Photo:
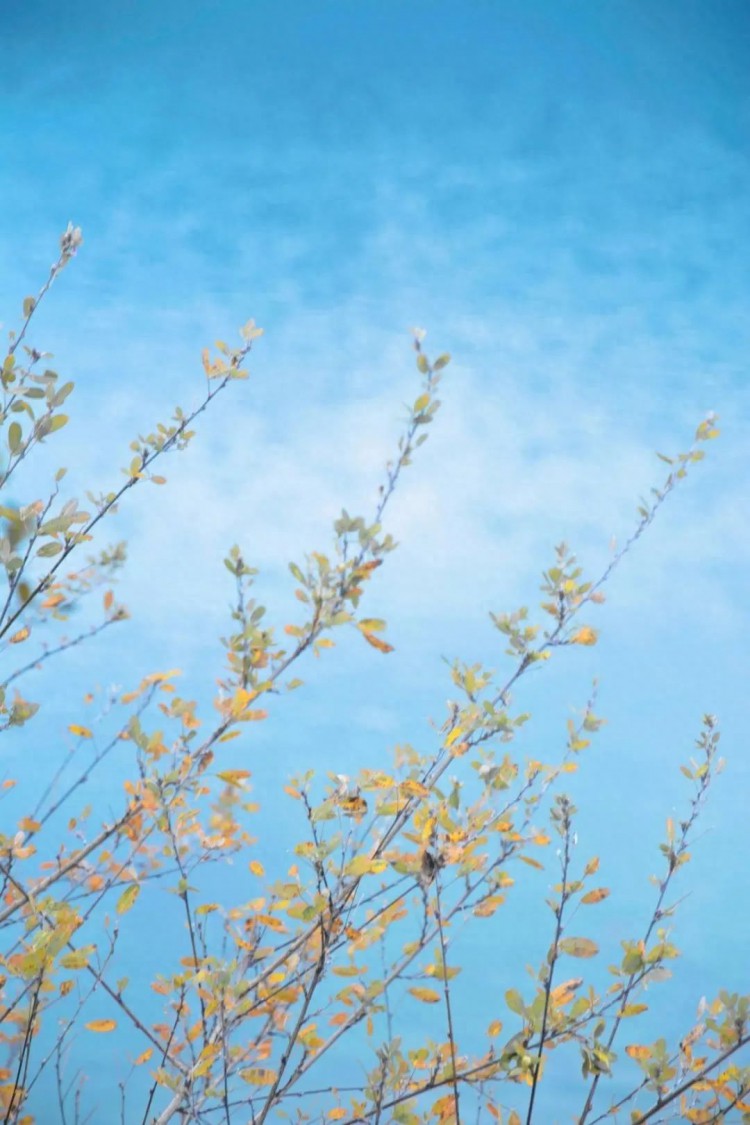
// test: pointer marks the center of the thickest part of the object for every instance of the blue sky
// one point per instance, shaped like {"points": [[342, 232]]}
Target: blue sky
{"points": [[559, 193]]}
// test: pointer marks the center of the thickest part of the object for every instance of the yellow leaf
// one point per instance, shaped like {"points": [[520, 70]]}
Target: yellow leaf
{"points": [[632, 1010], [495, 1028], [158, 677], [101, 1025], [243, 699], [337, 1113], [364, 865], [144, 1056], [585, 636], [256, 867], [426, 995], [258, 1076], [206, 1060], [233, 777], [253, 716], [127, 898], [487, 907], [78, 959], [412, 788], [454, 735], [355, 806], [80, 732], [371, 624], [21, 635]]}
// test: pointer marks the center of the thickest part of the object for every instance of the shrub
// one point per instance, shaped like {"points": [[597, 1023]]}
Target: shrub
{"points": [[261, 996]]}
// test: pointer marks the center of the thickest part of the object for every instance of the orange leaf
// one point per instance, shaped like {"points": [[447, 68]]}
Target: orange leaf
{"points": [[585, 636], [80, 732], [381, 646], [109, 598], [564, 993], [596, 895], [637, 1052], [101, 1025], [21, 635], [144, 1056]]}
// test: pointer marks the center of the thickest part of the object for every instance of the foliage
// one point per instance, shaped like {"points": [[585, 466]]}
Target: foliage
{"points": [[264, 994]]}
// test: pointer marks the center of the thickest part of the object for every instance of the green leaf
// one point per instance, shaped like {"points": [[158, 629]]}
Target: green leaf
{"points": [[62, 394], [49, 549], [371, 624], [79, 959], [514, 1000], [55, 525], [441, 361], [57, 422], [14, 437], [29, 304], [578, 947], [127, 898]]}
